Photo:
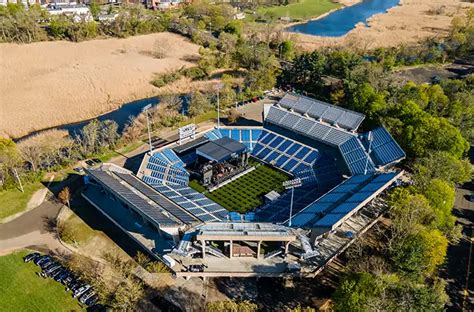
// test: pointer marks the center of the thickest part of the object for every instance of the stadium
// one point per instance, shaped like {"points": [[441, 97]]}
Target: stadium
{"points": [[283, 198]]}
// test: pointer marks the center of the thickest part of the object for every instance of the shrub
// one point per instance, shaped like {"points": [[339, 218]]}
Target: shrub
{"points": [[163, 79]]}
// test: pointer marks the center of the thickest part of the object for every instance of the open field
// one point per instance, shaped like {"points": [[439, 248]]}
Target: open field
{"points": [[13, 201], [408, 23], [247, 192], [301, 10], [22, 290], [54, 83]]}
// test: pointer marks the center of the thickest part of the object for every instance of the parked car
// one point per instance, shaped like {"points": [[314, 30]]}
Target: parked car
{"points": [[86, 295], [74, 285], [50, 270], [92, 300], [41, 259], [61, 277], [55, 275], [79, 169], [31, 257], [46, 264], [68, 279], [81, 290], [90, 163], [97, 160]]}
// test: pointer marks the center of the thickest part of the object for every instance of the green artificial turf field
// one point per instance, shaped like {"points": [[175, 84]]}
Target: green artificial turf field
{"points": [[22, 290], [303, 9], [247, 192]]}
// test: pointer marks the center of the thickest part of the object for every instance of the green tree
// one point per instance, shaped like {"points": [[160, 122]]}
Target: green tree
{"points": [[228, 305], [441, 165], [199, 104], [355, 292]]}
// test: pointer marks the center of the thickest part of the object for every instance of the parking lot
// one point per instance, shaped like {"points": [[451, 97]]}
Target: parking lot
{"points": [[53, 269]]}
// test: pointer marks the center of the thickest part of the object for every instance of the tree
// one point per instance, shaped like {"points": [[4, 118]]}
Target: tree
{"points": [[420, 253], [228, 305], [408, 211], [355, 292], [443, 166], [9, 159], [65, 196], [233, 115], [287, 50], [199, 104]]}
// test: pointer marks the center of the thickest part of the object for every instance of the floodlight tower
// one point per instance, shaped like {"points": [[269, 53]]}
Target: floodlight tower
{"points": [[370, 138], [145, 110], [218, 87], [291, 184]]}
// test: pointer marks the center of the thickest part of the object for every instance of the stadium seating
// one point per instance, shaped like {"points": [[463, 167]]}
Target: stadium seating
{"points": [[279, 210], [246, 136], [326, 112], [342, 200], [191, 200], [310, 128], [356, 157], [384, 149], [166, 166], [286, 154]]}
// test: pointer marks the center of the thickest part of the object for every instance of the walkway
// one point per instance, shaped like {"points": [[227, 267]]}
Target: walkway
{"points": [[31, 230]]}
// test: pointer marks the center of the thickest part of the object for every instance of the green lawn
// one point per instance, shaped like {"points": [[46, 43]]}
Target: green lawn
{"points": [[13, 201], [22, 290], [76, 230], [303, 9], [247, 192]]}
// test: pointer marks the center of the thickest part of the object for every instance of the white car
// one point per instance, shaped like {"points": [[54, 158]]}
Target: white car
{"points": [[81, 290]]}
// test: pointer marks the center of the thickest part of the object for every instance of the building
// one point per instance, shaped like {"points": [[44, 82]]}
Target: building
{"points": [[342, 174]]}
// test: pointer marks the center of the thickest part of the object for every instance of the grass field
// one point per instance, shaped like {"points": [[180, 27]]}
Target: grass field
{"points": [[247, 192], [303, 9], [13, 201], [22, 290]]}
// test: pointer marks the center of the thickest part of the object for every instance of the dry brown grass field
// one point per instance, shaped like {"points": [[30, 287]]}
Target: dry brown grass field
{"points": [[46, 84], [408, 23]]}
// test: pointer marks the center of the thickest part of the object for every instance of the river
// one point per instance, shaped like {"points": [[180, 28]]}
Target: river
{"points": [[120, 115], [340, 22]]}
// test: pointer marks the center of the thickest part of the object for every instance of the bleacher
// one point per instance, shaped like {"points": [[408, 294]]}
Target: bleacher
{"points": [[356, 157], [286, 154], [166, 166], [191, 200], [246, 136], [278, 211], [342, 201], [308, 127], [320, 110], [384, 149]]}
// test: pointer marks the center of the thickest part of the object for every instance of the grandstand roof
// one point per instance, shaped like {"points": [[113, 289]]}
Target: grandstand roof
{"points": [[322, 111], [245, 231], [221, 149], [190, 145], [134, 198]]}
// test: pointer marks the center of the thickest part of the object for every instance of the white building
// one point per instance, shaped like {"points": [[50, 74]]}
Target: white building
{"points": [[79, 11]]}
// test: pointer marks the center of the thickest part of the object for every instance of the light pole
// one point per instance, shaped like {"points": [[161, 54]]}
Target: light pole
{"points": [[145, 110], [218, 87], [370, 137], [291, 184]]}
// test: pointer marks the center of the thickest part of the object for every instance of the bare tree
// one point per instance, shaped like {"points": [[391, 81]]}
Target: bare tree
{"points": [[65, 196]]}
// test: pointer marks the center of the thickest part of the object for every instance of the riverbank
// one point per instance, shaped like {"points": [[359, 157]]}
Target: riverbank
{"points": [[56, 83], [408, 23]]}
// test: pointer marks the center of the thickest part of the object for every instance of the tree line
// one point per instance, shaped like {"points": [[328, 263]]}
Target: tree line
{"points": [[434, 124], [52, 150]]}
